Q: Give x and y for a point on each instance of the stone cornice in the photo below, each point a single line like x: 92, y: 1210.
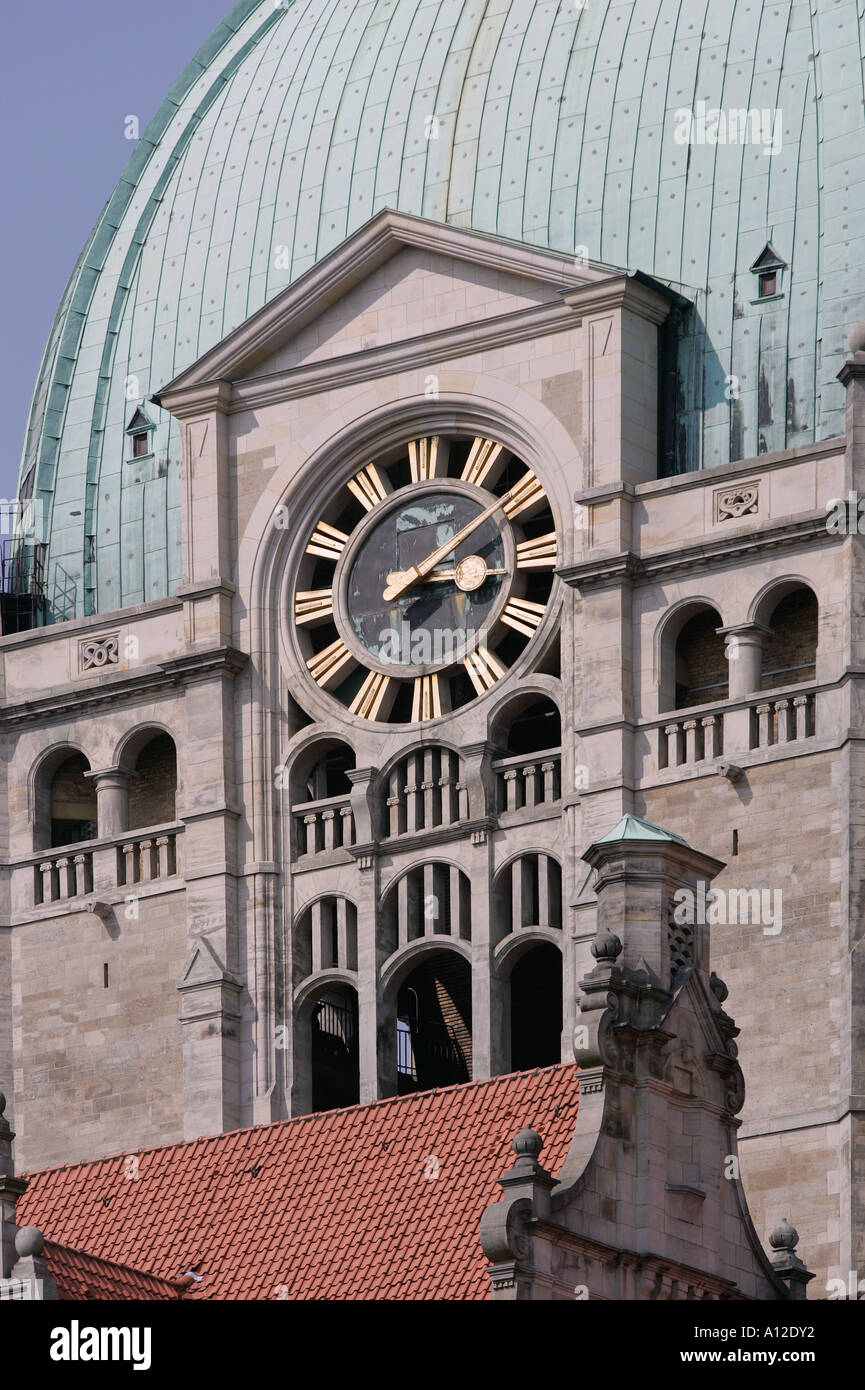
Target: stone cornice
x: 621, y: 292
x: 741, y: 468
x: 628, y: 567
x: 196, y: 665
x: 206, y: 399
x: 129, y: 685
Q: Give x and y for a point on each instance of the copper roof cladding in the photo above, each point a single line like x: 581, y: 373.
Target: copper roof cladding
x: 535, y: 120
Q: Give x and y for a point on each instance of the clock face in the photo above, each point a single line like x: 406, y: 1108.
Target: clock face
x: 424, y: 579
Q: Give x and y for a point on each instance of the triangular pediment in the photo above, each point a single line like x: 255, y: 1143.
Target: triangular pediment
x: 768, y: 259
x: 384, y: 264
x: 140, y: 421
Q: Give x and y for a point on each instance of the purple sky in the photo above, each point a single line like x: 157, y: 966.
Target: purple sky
x: 72, y: 72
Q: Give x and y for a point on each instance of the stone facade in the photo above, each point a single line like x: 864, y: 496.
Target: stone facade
x: 407, y: 330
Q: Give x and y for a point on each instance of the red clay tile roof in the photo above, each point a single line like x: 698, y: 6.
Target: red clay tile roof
x: 81, y: 1276
x: 338, y: 1205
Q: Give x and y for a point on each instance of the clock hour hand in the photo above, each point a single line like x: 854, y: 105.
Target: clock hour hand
x: 408, y: 578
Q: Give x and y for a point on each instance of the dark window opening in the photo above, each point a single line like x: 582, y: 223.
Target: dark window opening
x: 537, y: 728
x: 434, y: 1040
x: 701, y: 662
x: 330, y: 777
x: 153, y: 789
x: 335, y: 1064
x: 140, y: 445
x: 536, y: 1009
x: 73, y: 803
x: 790, y: 652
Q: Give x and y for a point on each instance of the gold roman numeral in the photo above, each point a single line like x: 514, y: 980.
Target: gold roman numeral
x: 368, y: 700
x: 425, y: 457
x: 524, y: 494
x: 426, y: 699
x: 327, y: 542
x: 523, y: 615
x: 368, y: 487
x: 482, y: 455
x: 539, y: 553
x: 326, y: 664
x: 483, y: 669
x: 312, y: 604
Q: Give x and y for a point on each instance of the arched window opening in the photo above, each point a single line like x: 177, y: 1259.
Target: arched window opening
x: 529, y: 733
x: 73, y: 803
x: 335, y: 1056
x: 790, y: 652
x: 701, y: 662
x: 536, y: 1008
x: 431, y: 899
x: 329, y: 776
x: 434, y: 1024
x: 325, y: 937
x: 528, y: 893
x: 320, y: 790
x: 423, y: 792
x: 153, y: 788
x: 535, y: 729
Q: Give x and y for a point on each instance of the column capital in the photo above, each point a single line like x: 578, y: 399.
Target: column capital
x: 119, y: 777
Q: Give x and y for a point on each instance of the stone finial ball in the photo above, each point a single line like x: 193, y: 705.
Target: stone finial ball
x: 528, y: 1141
x: 29, y: 1241
x: 857, y: 337
x: 606, y: 946
x: 784, y: 1236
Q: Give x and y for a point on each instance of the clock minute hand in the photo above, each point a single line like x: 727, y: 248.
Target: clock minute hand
x: 406, y: 579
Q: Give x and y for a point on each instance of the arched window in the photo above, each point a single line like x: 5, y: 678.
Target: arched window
x: 153, y: 787
x: 528, y: 773
x: 534, y: 729
x: 429, y: 900
x: 325, y: 937
x: 528, y: 893
x: 423, y: 791
x: 320, y: 792
x: 790, y: 651
x: 434, y: 1024
x: 701, y: 671
x: 536, y: 1008
x: 72, y: 797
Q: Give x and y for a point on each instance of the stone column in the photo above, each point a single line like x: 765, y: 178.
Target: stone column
x: 744, y: 652
x: 112, y: 801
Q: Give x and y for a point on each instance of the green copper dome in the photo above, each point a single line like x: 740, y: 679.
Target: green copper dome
x: 538, y: 120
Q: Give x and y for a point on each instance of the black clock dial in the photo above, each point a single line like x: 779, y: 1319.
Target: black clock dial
x: 425, y: 576
x: 436, y: 618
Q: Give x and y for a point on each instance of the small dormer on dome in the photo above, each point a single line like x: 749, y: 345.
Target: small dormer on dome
x: 769, y: 269
x: 140, y: 433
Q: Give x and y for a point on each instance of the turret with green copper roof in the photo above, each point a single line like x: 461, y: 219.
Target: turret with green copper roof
x: 640, y: 868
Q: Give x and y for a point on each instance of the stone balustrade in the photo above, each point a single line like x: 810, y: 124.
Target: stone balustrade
x: 141, y: 858
x: 97, y: 866
x: 64, y: 873
x: 789, y: 719
x: 322, y: 826
x: 686, y: 738
x: 696, y: 739
x: 532, y: 779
